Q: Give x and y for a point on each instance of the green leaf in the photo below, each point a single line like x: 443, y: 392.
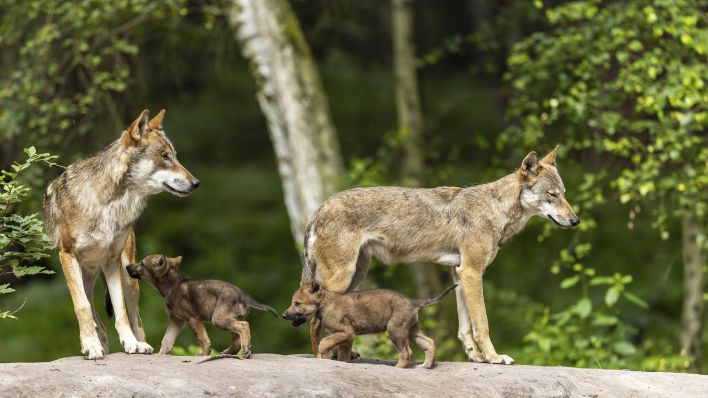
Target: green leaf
x: 625, y: 348
x: 569, y: 282
x: 21, y: 271
x: 633, y: 298
x: 611, y: 296
x: 583, y: 307
x: 5, y: 289
x: 601, y: 280
x: 604, y: 320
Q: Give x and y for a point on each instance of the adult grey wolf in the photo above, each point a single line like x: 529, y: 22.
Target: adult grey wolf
x: 460, y: 227
x: 89, y: 211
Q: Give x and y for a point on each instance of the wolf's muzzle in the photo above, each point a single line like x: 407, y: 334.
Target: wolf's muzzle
x: 132, y: 272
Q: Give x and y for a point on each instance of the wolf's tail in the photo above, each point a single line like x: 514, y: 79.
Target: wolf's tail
x: 436, y: 299
x: 255, y: 304
x: 309, y: 265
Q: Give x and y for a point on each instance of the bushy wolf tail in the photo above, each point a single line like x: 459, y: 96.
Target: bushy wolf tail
x: 308, y: 261
x: 255, y: 304
x: 436, y: 299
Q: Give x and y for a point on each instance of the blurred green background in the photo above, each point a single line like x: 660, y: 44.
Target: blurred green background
x: 182, y: 56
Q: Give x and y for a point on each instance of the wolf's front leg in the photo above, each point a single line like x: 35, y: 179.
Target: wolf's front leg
x: 131, y: 345
x: 470, y: 273
x: 131, y: 289
x: 91, y: 345
x: 464, y: 333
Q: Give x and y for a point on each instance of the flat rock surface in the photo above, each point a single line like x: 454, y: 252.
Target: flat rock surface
x: 271, y: 375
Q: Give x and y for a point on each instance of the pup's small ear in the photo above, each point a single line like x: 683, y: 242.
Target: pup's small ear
x: 136, y: 130
x: 551, y: 157
x: 529, y: 166
x: 161, y: 260
x: 156, y: 122
x: 175, y: 262
x: 315, y: 287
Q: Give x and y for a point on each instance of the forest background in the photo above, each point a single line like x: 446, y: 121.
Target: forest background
x: 418, y: 93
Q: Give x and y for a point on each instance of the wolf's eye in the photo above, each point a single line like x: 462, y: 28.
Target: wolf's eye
x: 553, y: 194
x: 166, y: 156
x: 297, y: 304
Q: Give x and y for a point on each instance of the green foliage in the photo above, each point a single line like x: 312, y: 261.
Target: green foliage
x: 590, y: 332
x: 63, y: 58
x: 22, y: 238
x: 623, y: 80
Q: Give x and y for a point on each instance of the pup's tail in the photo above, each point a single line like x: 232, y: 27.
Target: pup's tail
x: 255, y: 304
x: 436, y: 299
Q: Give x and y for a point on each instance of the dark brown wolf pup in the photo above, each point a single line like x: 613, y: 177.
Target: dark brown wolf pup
x: 194, y: 301
x: 346, y: 315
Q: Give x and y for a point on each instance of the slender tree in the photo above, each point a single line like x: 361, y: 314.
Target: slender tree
x: 410, y: 119
x: 291, y: 97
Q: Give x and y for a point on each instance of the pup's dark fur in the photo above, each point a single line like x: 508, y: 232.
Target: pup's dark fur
x: 346, y: 315
x: 195, y: 301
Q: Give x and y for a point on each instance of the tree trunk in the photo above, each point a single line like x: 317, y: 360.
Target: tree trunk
x: 410, y: 121
x: 292, y: 99
x: 692, y: 313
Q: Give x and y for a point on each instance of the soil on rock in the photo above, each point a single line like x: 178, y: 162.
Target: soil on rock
x: 270, y: 375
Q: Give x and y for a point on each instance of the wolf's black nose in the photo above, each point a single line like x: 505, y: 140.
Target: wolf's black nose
x: 574, y: 221
x: 195, y: 183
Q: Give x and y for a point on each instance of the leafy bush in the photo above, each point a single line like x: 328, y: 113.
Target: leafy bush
x: 22, y: 238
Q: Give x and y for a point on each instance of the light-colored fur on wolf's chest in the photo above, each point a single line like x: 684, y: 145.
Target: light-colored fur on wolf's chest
x: 110, y: 224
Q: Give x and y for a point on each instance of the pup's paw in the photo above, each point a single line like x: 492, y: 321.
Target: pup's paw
x: 502, y: 360
x: 92, y: 349
x: 246, y: 352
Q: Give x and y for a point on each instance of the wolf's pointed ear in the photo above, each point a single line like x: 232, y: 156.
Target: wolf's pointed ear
x: 315, y: 287
x: 136, y: 130
x: 175, y: 262
x: 551, y: 157
x: 156, y: 122
x: 529, y: 166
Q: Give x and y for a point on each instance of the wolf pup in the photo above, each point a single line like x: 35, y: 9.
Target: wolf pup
x: 346, y: 315
x: 459, y: 227
x: 89, y: 212
x: 195, y: 301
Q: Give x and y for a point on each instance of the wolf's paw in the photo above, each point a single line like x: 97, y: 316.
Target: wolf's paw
x: 502, y: 360
x: 92, y: 349
x: 475, y: 356
x: 137, y: 347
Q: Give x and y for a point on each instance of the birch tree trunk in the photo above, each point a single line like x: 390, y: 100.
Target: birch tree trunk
x: 291, y: 97
x: 692, y: 313
x: 410, y: 120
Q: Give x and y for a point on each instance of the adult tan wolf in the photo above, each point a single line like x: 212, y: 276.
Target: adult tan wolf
x: 89, y: 213
x: 460, y: 227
